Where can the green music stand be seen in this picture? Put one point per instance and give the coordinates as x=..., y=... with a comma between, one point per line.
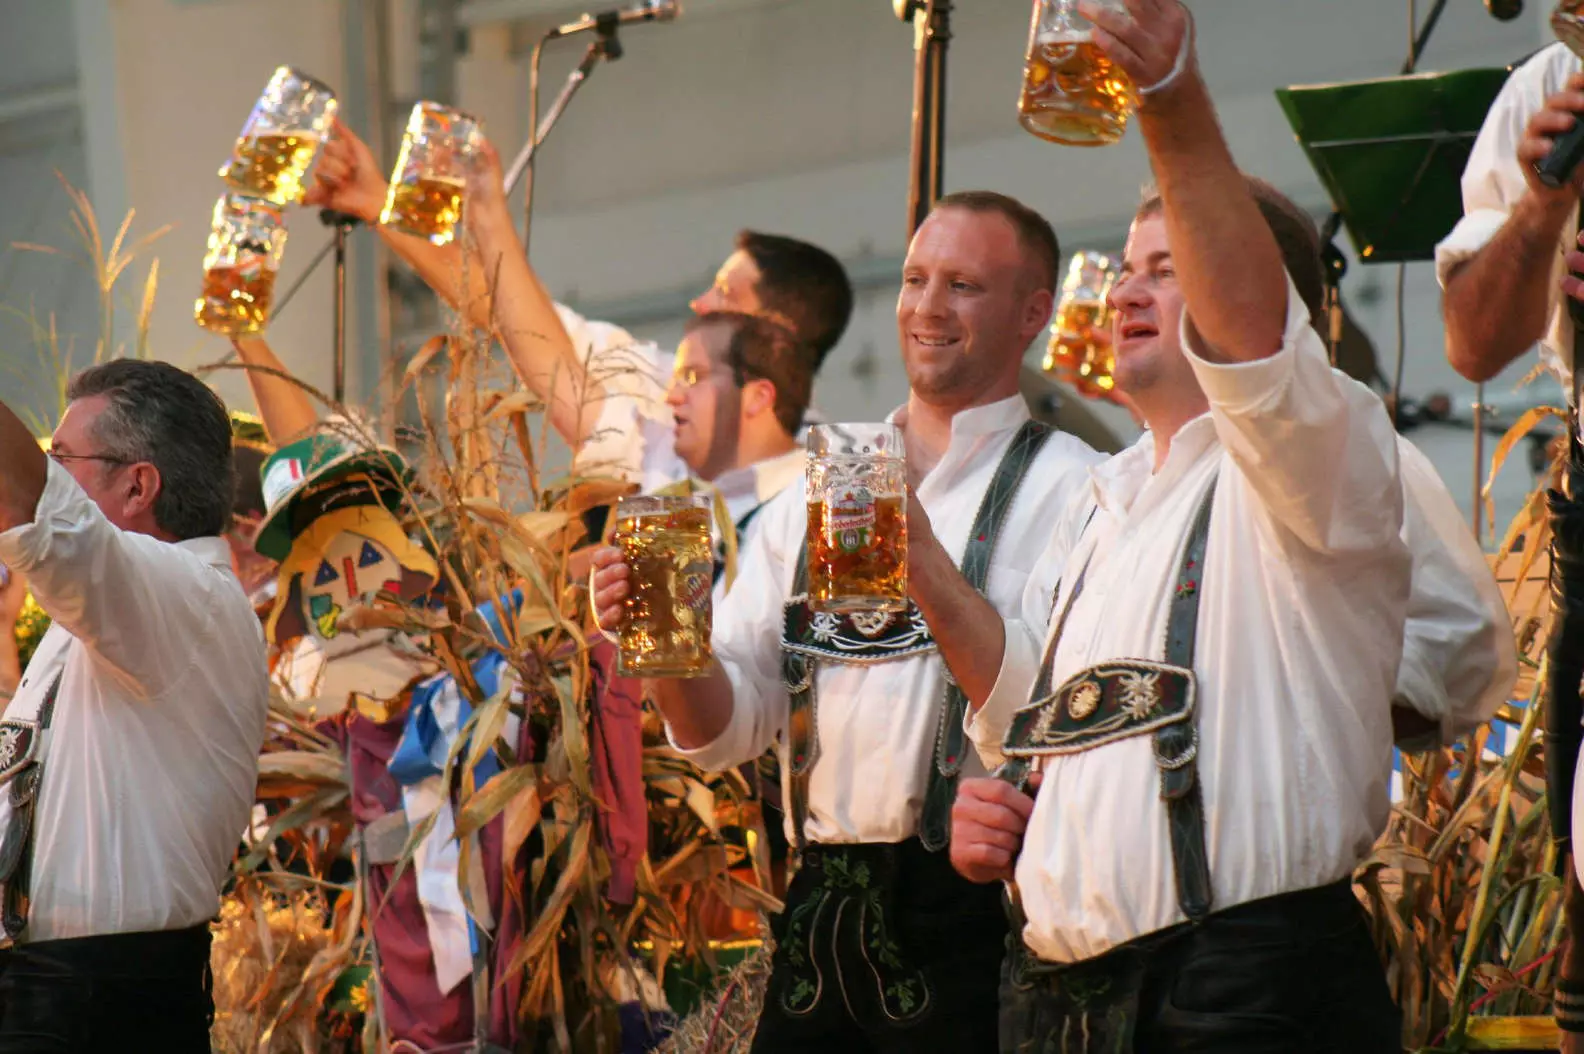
x=1391, y=153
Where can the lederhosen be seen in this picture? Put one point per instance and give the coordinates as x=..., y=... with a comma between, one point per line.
x=1103, y=1004
x=21, y=772
x=856, y=948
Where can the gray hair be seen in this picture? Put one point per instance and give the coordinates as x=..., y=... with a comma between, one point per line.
x=170, y=419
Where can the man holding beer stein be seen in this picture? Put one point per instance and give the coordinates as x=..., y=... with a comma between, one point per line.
x=832, y=656
x=1208, y=739
x=732, y=421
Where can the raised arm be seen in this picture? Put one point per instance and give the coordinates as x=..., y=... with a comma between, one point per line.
x=348, y=179
x=1497, y=264
x=23, y=470
x=1228, y=263
x=287, y=411
x=495, y=288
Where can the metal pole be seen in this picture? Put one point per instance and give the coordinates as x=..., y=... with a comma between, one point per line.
x=931, y=32
x=343, y=224
x=1479, y=461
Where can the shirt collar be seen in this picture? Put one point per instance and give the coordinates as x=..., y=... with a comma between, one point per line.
x=211, y=549
x=761, y=480
x=1118, y=481
x=978, y=420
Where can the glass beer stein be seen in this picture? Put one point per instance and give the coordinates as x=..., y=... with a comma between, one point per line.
x=281, y=138
x=665, y=630
x=246, y=240
x=1083, y=317
x=425, y=196
x=857, y=518
x=1072, y=93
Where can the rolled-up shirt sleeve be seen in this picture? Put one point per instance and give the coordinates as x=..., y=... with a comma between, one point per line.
x=747, y=639
x=137, y=603
x=632, y=433
x=1316, y=446
x=1493, y=181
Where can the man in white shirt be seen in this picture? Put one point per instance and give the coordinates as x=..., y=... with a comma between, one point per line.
x=620, y=403
x=1211, y=721
x=130, y=752
x=881, y=947
x=1501, y=266
x=1504, y=271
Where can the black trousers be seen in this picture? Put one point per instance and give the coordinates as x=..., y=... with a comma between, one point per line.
x=1290, y=974
x=883, y=948
x=125, y=991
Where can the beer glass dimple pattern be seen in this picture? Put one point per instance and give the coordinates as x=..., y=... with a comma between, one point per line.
x=281, y=138
x=665, y=630
x=857, y=518
x=246, y=240
x=425, y=196
x=1080, y=351
x=1072, y=93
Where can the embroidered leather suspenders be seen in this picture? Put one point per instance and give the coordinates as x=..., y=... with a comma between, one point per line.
x=20, y=773
x=1120, y=698
x=809, y=638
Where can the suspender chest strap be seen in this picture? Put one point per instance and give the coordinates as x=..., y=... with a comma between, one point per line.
x=1121, y=698
x=809, y=638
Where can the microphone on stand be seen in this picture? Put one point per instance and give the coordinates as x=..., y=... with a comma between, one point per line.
x=647, y=11
x=1504, y=10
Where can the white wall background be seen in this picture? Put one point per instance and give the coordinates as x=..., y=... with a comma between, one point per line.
x=783, y=115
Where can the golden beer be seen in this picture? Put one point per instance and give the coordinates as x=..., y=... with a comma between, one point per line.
x=1079, y=326
x=857, y=557
x=1074, y=95
x=428, y=207
x=426, y=188
x=272, y=166
x=857, y=518
x=236, y=300
x=665, y=630
x=247, y=238
x=281, y=138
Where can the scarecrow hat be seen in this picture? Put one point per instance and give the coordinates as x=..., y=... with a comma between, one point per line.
x=299, y=468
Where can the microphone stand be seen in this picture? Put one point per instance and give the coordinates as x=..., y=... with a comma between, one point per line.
x=931, y=33
x=606, y=45
x=343, y=224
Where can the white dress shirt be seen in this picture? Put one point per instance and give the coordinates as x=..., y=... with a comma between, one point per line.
x=634, y=435
x=1460, y=658
x=1299, y=640
x=877, y=723
x=151, y=761
x=1493, y=183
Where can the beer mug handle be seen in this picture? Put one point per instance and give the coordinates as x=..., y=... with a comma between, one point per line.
x=593, y=606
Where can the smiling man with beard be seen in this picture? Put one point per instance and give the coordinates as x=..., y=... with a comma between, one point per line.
x=881, y=946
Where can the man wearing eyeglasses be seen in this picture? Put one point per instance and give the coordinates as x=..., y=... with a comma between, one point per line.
x=606, y=392
x=129, y=755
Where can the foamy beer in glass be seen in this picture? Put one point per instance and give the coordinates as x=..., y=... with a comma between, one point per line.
x=246, y=240
x=1072, y=93
x=1081, y=332
x=281, y=138
x=665, y=626
x=425, y=196
x=857, y=518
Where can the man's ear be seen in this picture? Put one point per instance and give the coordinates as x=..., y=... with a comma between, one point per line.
x=1037, y=308
x=758, y=397
x=142, y=488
